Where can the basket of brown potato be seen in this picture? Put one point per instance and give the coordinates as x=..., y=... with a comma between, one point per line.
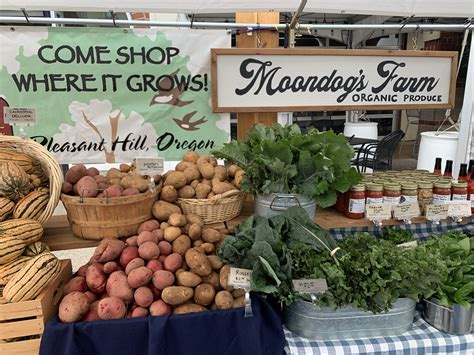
x=200, y=186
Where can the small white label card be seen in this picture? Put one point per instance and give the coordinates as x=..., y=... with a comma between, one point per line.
x=435, y=213
x=408, y=245
x=312, y=286
x=17, y=115
x=459, y=209
x=406, y=211
x=240, y=278
x=378, y=212
x=150, y=166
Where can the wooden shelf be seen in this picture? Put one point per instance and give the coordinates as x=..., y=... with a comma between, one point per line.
x=59, y=236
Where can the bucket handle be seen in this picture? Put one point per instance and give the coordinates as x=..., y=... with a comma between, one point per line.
x=81, y=197
x=439, y=306
x=278, y=197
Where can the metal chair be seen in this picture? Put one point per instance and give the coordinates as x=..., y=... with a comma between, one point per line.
x=413, y=118
x=378, y=156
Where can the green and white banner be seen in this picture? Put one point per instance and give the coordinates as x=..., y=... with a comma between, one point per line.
x=111, y=95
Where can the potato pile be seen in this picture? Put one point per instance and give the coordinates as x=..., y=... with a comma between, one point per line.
x=169, y=267
x=125, y=181
x=199, y=177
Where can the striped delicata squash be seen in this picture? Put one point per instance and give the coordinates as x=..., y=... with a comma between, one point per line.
x=14, y=182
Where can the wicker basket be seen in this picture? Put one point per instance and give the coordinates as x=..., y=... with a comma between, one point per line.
x=219, y=208
x=48, y=163
x=99, y=218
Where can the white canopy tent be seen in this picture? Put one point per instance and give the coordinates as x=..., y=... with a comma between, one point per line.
x=418, y=8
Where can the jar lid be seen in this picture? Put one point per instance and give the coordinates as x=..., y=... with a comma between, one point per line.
x=425, y=184
x=446, y=178
x=374, y=187
x=358, y=187
x=409, y=186
x=421, y=171
x=391, y=187
x=442, y=184
x=461, y=184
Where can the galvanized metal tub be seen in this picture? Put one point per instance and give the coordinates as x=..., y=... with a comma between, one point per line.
x=276, y=203
x=313, y=322
x=453, y=320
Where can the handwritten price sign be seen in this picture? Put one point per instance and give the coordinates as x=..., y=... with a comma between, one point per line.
x=312, y=286
x=150, y=166
x=240, y=278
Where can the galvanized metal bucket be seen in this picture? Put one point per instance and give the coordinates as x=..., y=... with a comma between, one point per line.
x=453, y=320
x=313, y=322
x=275, y=204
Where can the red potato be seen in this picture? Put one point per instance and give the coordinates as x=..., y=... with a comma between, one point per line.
x=108, y=249
x=113, y=191
x=173, y=262
x=74, y=189
x=91, y=296
x=117, y=286
x=139, y=277
x=87, y=187
x=143, y=296
x=162, y=279
x=96, y=278
x=162, y=258
x=165, y=247
x=156, y=293
x=158, y=234
x=149, y=251
x=75, y=173
x=154, y=265
x=160, y=308
x=92, y=172
x=111, y=308
x=66, y=188
x=139, y=312
x=134, y=264
x=82, y=270
x=73, y=307
x=111, y=266
x=100, y=195
x=132, y=241
x=146, y=236
x=100, y=178
x=149, y=226
x=131, y=191
x=128, y=254
x=92, y=314
x=77, y=283
x=102, y=186
x=102, y=295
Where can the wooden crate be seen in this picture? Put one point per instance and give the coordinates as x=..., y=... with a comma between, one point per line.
x=27, y=319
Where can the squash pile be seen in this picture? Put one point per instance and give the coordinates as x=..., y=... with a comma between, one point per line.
x=26, y=266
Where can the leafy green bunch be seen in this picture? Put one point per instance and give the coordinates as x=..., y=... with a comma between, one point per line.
x=281, y=159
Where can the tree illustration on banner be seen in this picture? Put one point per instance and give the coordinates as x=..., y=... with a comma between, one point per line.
x=111, y=95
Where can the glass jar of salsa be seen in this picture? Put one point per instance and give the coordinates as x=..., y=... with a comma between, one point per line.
x=355, y=206
x=459, y=191
x=441, y=192
x=409, y=192
x=392, y=193
x=374, y=193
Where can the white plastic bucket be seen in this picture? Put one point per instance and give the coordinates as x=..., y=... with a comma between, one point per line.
x=436, y=145
x=361, y=129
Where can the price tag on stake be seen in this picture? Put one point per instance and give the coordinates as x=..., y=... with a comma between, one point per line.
x=378, y=212
x=436, y=213
x=239, y=278
x=150, y=166
x=311, y=286
x=19, y=116
x=406, y=211
x=459, y=209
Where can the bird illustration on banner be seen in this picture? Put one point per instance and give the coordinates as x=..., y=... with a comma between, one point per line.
x=170, y=97
x=186, y=123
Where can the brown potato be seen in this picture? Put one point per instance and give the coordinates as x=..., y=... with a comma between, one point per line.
x=87, y=187
x=211, y=194
x=171, y=233
x=139, y=277
x=188, y=279
x=135, y=181
x=186, y=192
x=194, y=231
x=220, y=173
x=213, y=280
x=73, y=307
x=204, y=294
x=111, y=308
x=222, y=187
x=192, y=173
x=181, y=166
x=238, y=302
x=181, y=244
x=124, y=168
x=202, y=190
x=232, y=169
x=169, y=193
x=194, y=218
x=115, y=181
x=238, y=292
x=224, y=300
x=224, y=278
x=198, y=262
x=177, y=220
x=108, y=249
x=216, y=263
x=203, y=159
x=189, y=308
x=162, y=279
x=191, y=157
x=197, y=243
x=176, y=295
x=117, y=285
x=176, y=179
x=206, y=170
x=206, y=182
x=113, y=173
x=193, y=184
x=210, y=235
x=75, y=173
x=207, y=248
x=239, y=175
x=100, y=178
x=162, y=210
